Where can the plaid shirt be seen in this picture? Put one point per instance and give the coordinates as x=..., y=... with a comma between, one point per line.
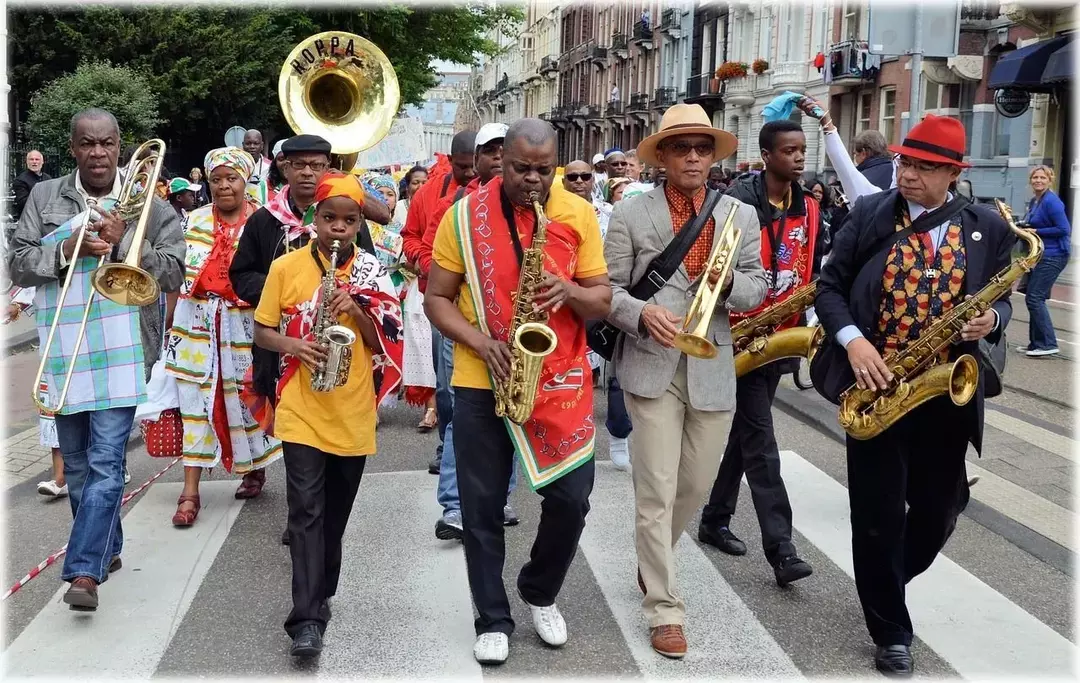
x=681, y=211
x=109, y=367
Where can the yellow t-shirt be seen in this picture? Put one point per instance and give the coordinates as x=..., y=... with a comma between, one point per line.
x=340, y=421
x=470, y=371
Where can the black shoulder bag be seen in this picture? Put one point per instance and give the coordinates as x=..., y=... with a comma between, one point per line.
x=602, y=335
x=830, y=371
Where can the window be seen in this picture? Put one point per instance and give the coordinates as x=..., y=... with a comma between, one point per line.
x=887, y=120
x=865, y=101
x=967, y=106
x=1002, y=133
x=853, y=19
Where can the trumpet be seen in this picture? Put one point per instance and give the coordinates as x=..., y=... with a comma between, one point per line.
x=693, y=340
x=123, y=283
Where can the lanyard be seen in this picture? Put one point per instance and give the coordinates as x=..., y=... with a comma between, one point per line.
x=508, y=214
x=346, y=253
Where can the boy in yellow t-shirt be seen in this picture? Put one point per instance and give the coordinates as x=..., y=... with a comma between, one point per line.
x=326, y=434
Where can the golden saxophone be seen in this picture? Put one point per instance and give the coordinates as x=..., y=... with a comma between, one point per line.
x=918, y=374
x=531, y=340
x=336, y=339
x=756, y=341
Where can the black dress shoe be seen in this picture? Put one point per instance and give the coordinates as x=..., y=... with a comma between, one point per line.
x=722, y=538
x=307, y=643
x=894, y=660
x=285, y=536
x=435, y=465
x=791, y=568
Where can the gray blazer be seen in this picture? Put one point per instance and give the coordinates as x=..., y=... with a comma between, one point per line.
x=639, y=229
x=51, y=204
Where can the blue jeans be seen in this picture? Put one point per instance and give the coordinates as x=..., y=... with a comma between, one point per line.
x=444, y=399
x=447, y=494
x=1041, y=280
x=93, y=444
x=618, y=420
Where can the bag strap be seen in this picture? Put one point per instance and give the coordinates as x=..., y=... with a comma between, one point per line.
x=445, y=184
x=924, y=223
x=664, y=266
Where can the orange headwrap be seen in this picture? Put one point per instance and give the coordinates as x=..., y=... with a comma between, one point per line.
x=337, y=184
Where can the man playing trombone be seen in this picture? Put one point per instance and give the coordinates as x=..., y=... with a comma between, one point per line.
x=122, y=342
x=674, y=399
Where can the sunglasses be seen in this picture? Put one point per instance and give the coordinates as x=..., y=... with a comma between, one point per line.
x=682, y=148
x=574, y=177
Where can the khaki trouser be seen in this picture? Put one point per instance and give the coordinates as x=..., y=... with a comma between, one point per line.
x=670, y=484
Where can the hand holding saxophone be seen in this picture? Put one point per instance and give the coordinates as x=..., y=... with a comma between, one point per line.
x=497, y=356
x=978, y=327
x=871, y=372
x=551, y=293
x=342, y=303
x=310, y=353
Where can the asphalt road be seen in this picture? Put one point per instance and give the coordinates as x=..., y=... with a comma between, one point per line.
x=210, y=600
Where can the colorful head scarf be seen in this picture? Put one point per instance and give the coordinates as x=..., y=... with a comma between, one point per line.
x=337, y=184
x=378, y=180
x=233, y=157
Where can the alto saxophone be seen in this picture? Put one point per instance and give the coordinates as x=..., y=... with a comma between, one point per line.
x=918, y=376
x=757, y=342
x=336, y=339
x=531, y=340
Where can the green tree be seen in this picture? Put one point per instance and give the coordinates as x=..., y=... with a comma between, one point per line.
x=123, y=91
x=213, y=67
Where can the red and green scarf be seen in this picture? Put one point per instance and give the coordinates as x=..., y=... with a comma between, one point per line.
x=371, y=287
x=559, y=436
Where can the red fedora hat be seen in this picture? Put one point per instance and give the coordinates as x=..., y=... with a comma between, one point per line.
x=938, y=139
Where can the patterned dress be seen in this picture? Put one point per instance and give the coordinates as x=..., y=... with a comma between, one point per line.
x=209, y=351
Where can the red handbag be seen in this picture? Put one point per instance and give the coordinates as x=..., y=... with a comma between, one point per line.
x=164, y=437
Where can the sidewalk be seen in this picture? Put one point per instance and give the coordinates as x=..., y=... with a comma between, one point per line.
x=19, y=335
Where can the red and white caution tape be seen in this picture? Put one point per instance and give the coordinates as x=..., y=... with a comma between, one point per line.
x=60, y=553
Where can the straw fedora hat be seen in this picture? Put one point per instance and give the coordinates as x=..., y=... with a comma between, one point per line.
x=686, y=119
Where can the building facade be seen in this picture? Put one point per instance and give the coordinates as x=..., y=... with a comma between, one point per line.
x=439, y=113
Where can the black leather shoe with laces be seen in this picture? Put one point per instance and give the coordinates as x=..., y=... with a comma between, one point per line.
x=722, y=538
x=894, y=660
x=307, y=643
x=791, y=568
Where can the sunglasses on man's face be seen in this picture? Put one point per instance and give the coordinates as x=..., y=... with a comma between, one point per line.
x=682, y=148
x=574, y=177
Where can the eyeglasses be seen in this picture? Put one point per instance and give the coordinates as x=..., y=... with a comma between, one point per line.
x=574, y=177
x=682, y=148
x=906, y=164
x=317, y=166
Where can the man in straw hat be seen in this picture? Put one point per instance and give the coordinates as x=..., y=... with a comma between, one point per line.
x=672, y=398
x=878, y=293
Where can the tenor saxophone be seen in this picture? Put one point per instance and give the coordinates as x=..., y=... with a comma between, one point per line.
x=530, y=337
x=918, y=374
x=336, y=339
x=756, y=341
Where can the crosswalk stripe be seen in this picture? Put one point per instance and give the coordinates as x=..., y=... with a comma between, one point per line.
x=142, y=605
x=1030, y=509
x=1007, y=640
x=403, y=606
x=1033, y=434
x=723, y=635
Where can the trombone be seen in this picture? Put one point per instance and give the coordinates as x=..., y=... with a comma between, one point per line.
x=123, y=283
x=693, y=340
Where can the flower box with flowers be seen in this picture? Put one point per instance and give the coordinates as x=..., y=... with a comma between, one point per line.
x=732, y=70
x=760, y=66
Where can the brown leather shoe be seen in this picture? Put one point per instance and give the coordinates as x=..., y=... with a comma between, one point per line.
x=82, y=595
x=669, y=641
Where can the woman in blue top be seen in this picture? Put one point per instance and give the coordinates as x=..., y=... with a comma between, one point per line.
x=1046, y=216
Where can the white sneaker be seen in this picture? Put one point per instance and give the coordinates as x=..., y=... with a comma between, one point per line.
x=1035, y=353
x=549, y=624
x=1023, y=349
x=619, y=450
x=491, y=648
x=51, y=490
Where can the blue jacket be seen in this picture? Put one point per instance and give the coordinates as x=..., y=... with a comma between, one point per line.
x=879, y=171
x=1050, y=223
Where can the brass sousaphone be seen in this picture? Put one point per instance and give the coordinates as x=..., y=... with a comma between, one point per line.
x=342, y=88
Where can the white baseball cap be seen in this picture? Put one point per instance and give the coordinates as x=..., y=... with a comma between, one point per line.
x=277, y=148
x=597, y=159
x=489, y=132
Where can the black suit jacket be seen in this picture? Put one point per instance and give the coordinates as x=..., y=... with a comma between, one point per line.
x=849, y=289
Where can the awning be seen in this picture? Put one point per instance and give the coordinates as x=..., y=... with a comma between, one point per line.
x=1059, y=68
x=1023, y=69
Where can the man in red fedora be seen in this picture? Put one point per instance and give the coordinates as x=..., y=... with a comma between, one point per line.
x=898, y=264
x=674, y=398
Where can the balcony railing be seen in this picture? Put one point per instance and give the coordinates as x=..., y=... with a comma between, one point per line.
x=739, y=92
x=663, y=98
x=578, y=109
x=638, y=102
x=598, y=54
x=549, y=63
x=787, y=74
x=614, y=108
x=669, y=18
x=702, y=85
x=593, y=112
x=849, y=66
x=979, y=10
x=642, y=31
x=619, y=43
x=559, y=113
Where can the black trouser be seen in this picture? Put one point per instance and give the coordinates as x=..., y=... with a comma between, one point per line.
x=485, y=456
x=920, y=462
x=320, y=489
x=751, y=448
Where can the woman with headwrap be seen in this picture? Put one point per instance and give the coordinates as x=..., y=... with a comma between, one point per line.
x=208, y=349
x=419, y=372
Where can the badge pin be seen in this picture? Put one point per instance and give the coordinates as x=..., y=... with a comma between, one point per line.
x=976, y=236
